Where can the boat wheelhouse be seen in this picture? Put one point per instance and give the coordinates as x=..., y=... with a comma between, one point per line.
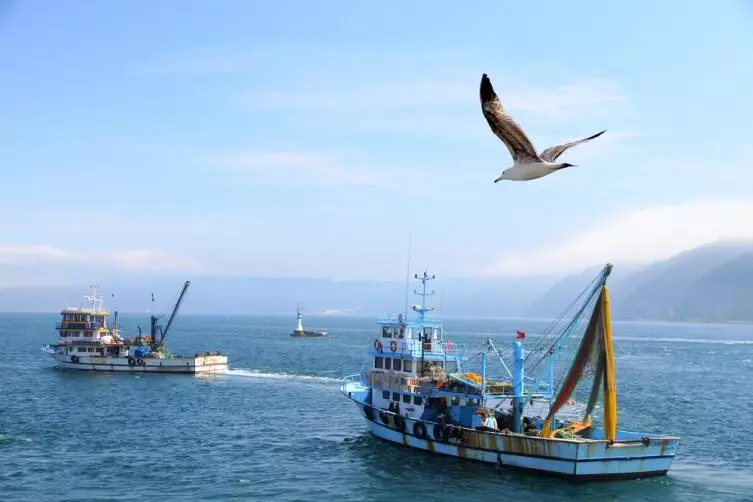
x=88, y=342
x=421, y=392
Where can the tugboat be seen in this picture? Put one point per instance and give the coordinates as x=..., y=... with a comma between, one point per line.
x=421, y=393
x=88, y=343
x=299, y=331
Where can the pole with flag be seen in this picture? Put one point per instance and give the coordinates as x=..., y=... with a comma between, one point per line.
x=518, y=380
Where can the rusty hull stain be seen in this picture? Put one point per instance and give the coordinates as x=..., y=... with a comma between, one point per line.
x=513, y=443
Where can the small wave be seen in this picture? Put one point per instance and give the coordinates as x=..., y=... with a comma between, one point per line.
x=684, y=340
x=244, y=373
x=13, y=440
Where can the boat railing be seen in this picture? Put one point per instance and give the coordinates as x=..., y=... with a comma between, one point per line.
x=417, y=347
x=88, y=341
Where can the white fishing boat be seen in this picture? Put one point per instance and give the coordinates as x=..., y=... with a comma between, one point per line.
x=88, y=342
x=419, y=392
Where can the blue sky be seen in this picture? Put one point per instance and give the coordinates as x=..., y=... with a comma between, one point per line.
x=308, y=139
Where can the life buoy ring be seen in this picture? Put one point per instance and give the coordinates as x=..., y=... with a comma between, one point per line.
x=74, y=359
x=369, y=412
x=419, y=430
x=140, y=362
x=131, y=361
x=378, y=345
x=393, y=346
x=448, y=346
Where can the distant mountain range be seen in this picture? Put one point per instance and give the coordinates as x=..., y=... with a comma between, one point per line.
x=712, y=283
x=279, y=296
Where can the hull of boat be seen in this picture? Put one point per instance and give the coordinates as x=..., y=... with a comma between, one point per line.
x=191, y=365
x=577, y=460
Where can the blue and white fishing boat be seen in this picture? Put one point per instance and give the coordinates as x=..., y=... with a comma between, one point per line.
x=419, y=391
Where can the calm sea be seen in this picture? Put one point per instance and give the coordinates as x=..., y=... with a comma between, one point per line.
x=276, y=428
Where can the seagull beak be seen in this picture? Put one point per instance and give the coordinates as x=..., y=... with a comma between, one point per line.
x=498, y=179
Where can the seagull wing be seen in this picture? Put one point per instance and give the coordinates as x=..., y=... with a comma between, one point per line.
x=551, y=153
x=503, y=125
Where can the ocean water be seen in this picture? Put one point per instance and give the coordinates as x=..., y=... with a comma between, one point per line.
x=276, y=428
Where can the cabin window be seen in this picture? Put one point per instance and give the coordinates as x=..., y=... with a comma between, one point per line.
x=417, y=400
x=91, y=349
x=451, y=366
x=406, y=399
x=396, y=365
x=387, y=363
x=82, y=349
x=378, y=362
x=385, y=394
x=408, y=366
x=100, y=351
x=454, y=401
x=386, y=332
x=401, y=331
x=395, y=396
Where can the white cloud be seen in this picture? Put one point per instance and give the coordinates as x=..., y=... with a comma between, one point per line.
x=638, y=236
x=147, y=259
x=562, y=102
x=448, y=95
x=138, y=259
x=15, y=254
x=288, y=167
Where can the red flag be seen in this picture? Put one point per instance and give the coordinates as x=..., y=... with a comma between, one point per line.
x=520, y=335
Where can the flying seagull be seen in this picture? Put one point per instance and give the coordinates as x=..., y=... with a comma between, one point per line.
x=528, y=165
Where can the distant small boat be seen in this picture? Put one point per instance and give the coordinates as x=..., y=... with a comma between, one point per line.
x=303, y=333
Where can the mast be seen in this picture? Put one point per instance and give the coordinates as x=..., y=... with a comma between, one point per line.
x=610, y=383
x=422, y=309
x=95, y=298
x=596, y=348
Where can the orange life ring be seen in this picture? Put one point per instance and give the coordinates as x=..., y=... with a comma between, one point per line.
x=378, y=345
x=393, y=346
x=448, y=346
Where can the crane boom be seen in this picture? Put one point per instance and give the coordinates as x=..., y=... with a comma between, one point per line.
x=175, y=311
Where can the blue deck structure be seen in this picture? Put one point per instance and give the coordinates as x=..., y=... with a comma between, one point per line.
x=420, y=392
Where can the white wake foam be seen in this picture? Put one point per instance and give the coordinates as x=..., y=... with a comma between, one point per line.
x=684, y=340
x=246, y=373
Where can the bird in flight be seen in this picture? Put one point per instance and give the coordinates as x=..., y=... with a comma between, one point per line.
x=527, y=164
